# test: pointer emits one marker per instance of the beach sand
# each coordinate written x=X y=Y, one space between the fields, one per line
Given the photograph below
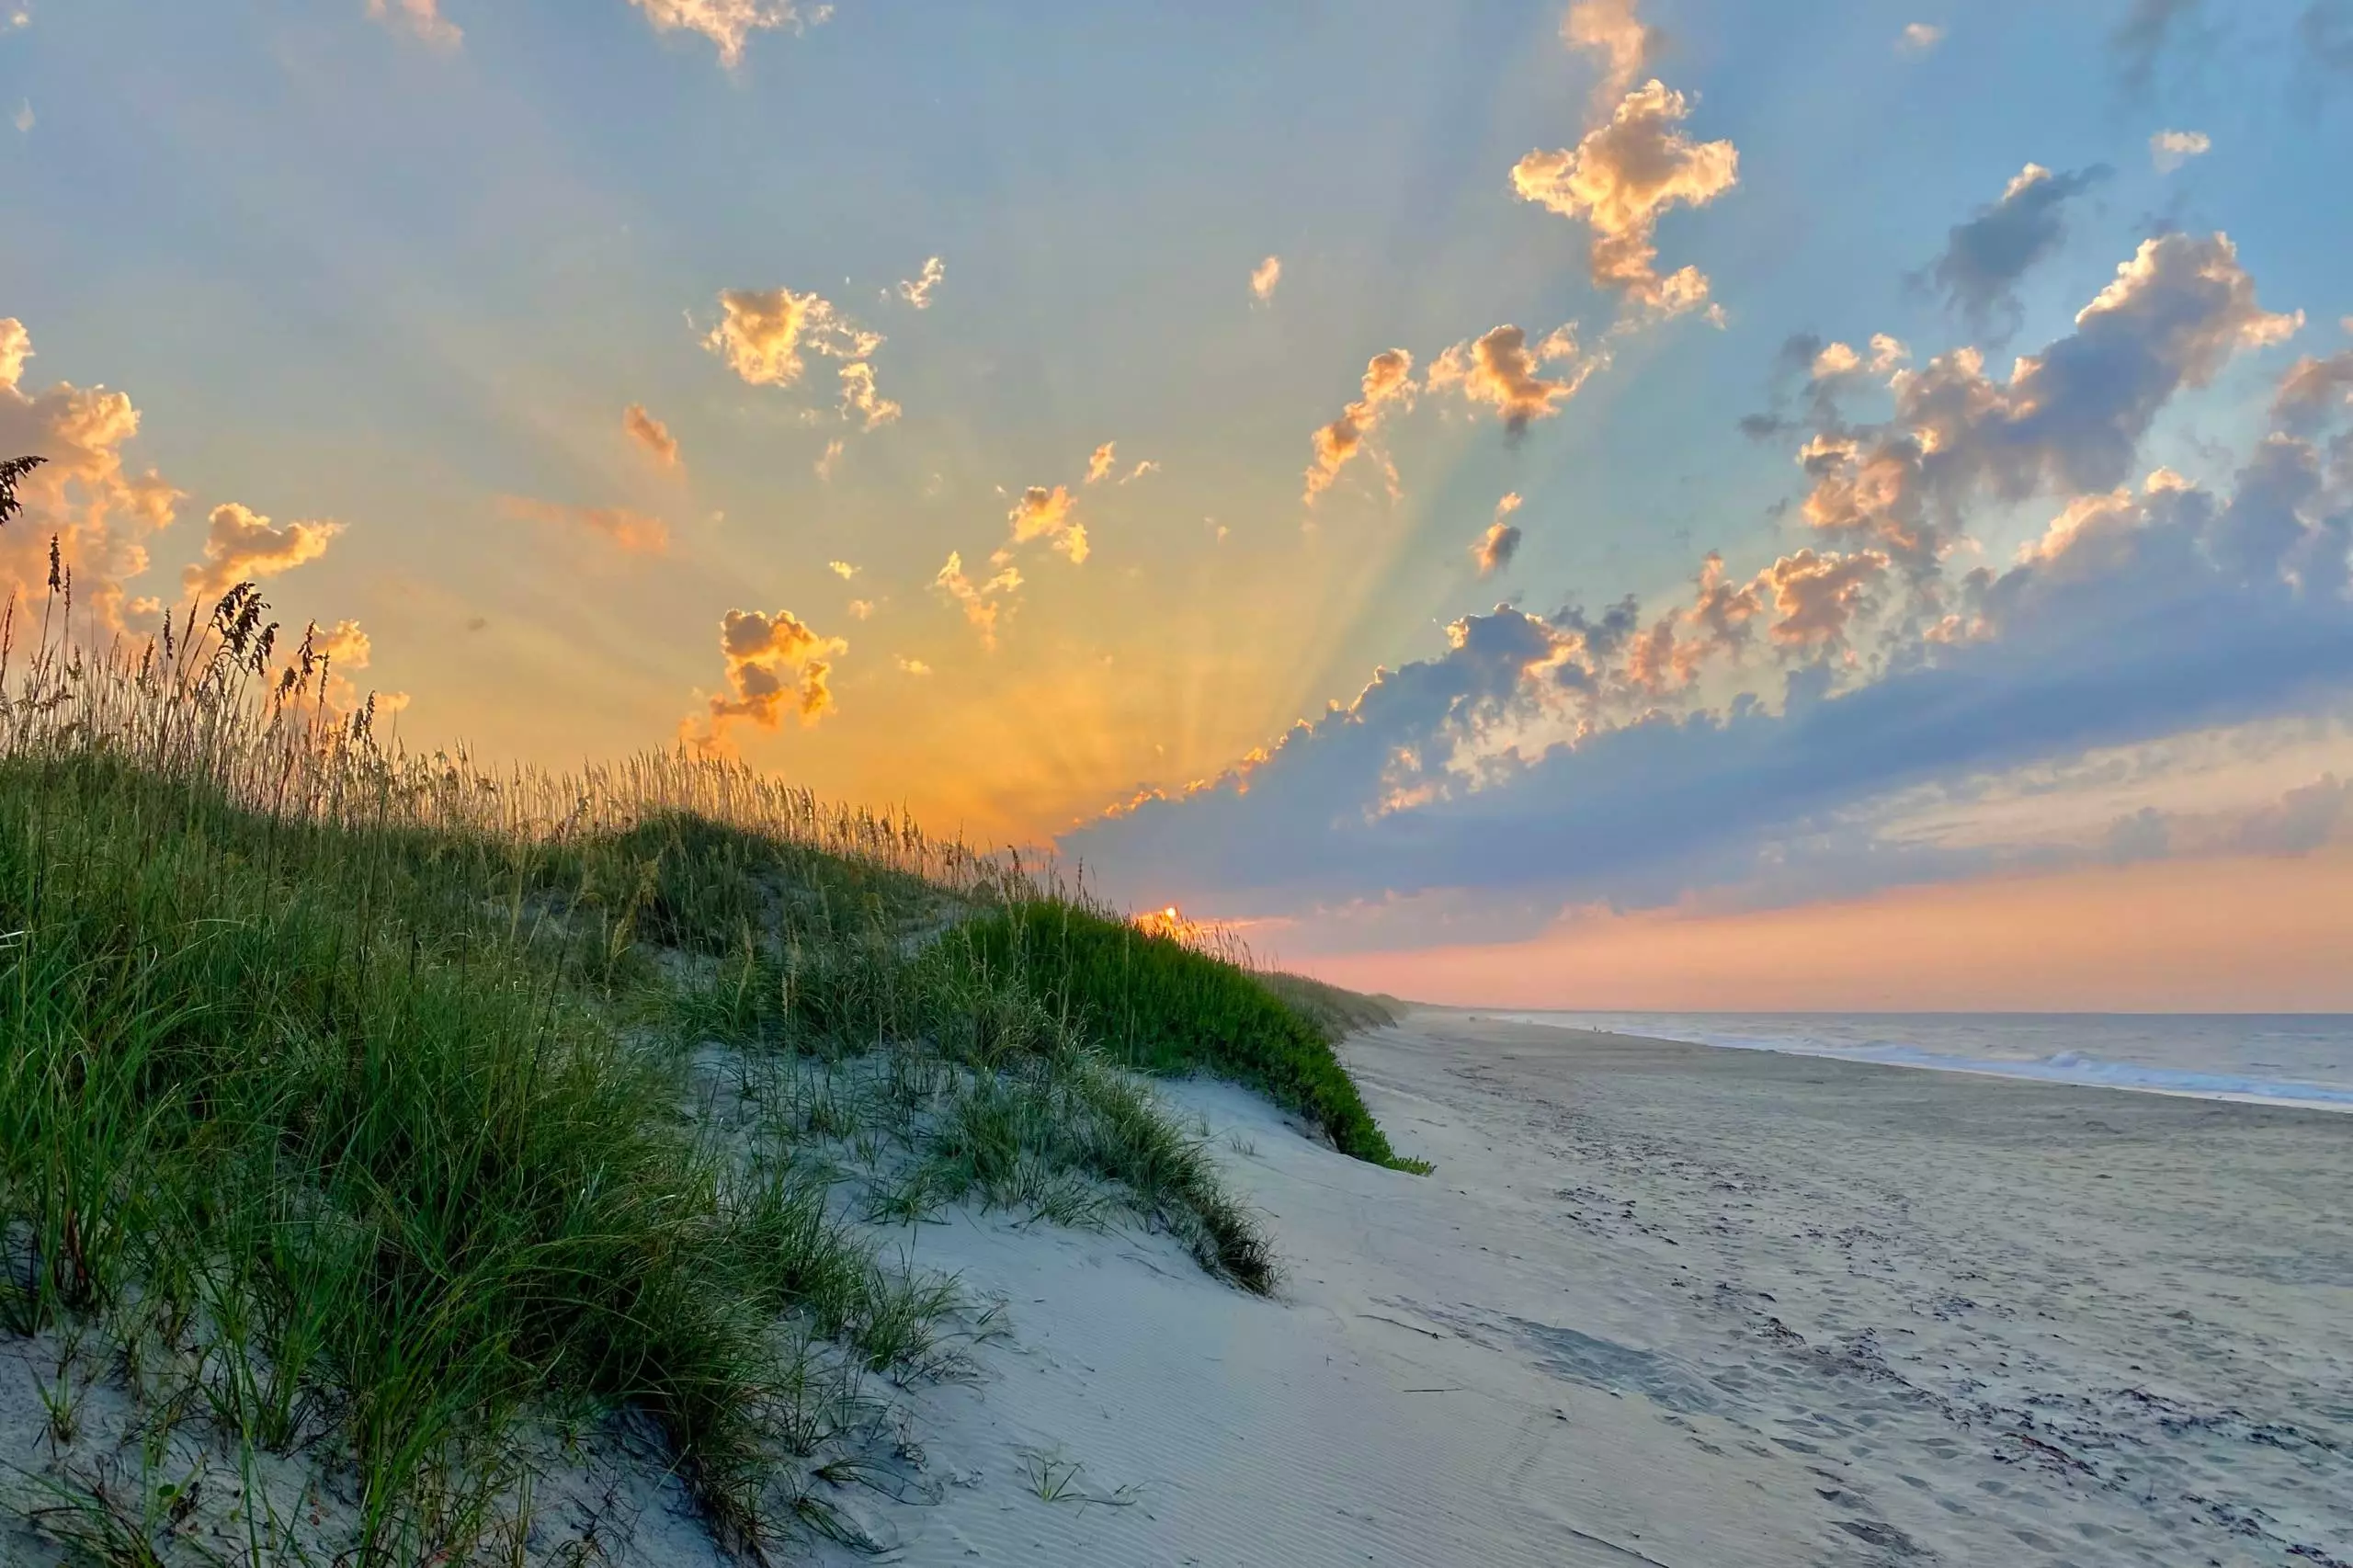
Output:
x=1659 y=1304
x=1663 y=1303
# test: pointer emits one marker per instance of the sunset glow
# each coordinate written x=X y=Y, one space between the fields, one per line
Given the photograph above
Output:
x=1677 y=506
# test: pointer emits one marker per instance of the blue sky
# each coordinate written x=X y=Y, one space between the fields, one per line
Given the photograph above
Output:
x=358 y=269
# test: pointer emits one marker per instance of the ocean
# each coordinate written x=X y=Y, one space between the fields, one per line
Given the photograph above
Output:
x=2289 y=1058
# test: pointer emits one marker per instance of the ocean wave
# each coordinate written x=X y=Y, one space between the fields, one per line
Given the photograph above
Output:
x=2076 y=1067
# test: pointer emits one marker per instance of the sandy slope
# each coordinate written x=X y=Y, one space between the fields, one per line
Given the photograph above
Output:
x=1673 y=1305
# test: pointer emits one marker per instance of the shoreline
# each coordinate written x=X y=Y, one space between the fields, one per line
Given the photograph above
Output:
x=2096 y=1071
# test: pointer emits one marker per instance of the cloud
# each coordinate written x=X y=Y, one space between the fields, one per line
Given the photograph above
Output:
x=1609 y=29
x=776 y=664
x=913 y=666
x=1917 y=39
x=1388 y=378
x=1818 y=596
x=2069 y=419
x=103 y=514
x=1142 y=470
x=651 y=434
x=1620 y=180
x=729 y=23
x=841 y=569
x=338 y=650
x=1984 y=257
x=763 y=333
x=829 y=460
x=421 y=18
x=2142 y=37
x=916 y=291
x=241 y=546
x=980 y=601
x=1045 y=514
x=2312 y=386
x=2304 y=819
x=861 y=609
x=1500 y=370
x=23 y=118
x=2129 y=633
x=1495 y=548
x=1546 y=759
x=2325 y=30
x=1263 y=277
x=861 y=397
x=2168 y=150
x=1100 y=464
x=632 y=532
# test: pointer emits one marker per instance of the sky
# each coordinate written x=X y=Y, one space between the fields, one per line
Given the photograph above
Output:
x=1661 y=504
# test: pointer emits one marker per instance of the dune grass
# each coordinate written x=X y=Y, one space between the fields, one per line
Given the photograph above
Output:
x=1160 y=1004
x=356 y=1107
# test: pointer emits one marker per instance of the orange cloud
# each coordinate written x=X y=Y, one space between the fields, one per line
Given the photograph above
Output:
x=916 y=291
x=1818 y=595
x=241 y=546
x=421 y=18
x=633 y=532
x=861 y=397
x=1046 y=514
x=1388 y=378
x=1501 y=370
x=981 y=601
x=729 y=23
x=1620 y=180
x=1264 y=278
x=775 y=664
x=1611 y=30
x=1100 y=464
x=101 y=515
x=1501 y=542
x=762 y=334
x=651 y=434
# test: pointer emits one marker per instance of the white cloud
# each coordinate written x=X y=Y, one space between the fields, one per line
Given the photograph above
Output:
x=2168 y=150
x=1918 y=38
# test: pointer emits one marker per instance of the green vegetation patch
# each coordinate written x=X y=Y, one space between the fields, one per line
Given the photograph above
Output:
x=1162 y=1005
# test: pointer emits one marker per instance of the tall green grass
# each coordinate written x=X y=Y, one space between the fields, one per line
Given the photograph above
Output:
x=347 y=1097
x=1160 y=1004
